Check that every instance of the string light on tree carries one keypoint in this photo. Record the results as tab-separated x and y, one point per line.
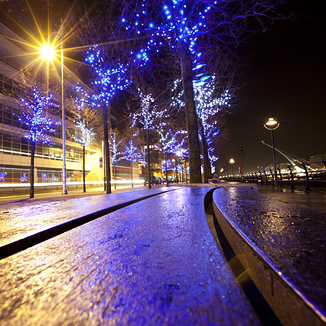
39	126
192	30
34	119
179	22
114	148
85	139
116	155
149	117
108	80
86	136
132	156
173	142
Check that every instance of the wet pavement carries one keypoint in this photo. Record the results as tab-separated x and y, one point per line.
151	263
292	237
312	200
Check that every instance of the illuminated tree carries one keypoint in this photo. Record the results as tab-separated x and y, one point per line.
142	157
116	155
85	139
108	78
87	118
209	103
172	143
148	118
193	31
132	156
39	126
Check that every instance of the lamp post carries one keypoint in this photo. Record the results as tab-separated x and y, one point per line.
163	164
241	152
48	53
64	170
232	161
178	153
271	125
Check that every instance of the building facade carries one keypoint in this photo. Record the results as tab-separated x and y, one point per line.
15	149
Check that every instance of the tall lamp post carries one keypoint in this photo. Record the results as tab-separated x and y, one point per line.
64	169
232	161
178	153
241	152
271	125
48	52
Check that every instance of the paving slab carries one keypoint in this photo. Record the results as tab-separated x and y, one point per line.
151	263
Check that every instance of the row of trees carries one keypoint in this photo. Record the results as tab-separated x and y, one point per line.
174	65
183	54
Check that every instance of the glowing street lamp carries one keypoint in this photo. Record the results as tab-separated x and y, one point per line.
48	52
271	125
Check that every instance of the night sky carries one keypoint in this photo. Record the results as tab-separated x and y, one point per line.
286	75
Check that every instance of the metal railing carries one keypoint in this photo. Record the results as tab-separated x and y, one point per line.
307	173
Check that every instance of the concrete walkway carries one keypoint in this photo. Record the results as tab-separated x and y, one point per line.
312	200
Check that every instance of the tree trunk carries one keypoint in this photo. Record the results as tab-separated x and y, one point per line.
191	116
207	165
166	170
31	189
106	150
148	162
84	174
115	174
131	175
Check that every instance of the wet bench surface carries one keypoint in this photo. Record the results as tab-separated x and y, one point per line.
152	263
292	237
21	222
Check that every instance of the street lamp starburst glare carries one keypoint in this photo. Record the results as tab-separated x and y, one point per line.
48	51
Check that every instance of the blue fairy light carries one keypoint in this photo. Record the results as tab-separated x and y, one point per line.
33	117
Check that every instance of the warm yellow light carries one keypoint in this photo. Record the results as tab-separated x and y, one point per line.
48	51
271	122
232	161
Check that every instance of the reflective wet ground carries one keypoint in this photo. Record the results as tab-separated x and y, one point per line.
19	222
151	263
313	200
292	237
